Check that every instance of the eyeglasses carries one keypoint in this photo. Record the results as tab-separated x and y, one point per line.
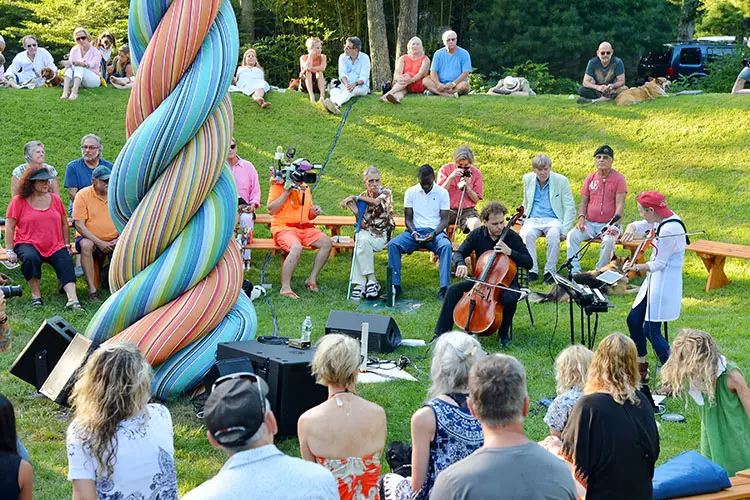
250	377
89	147
606	52
450	39
79	38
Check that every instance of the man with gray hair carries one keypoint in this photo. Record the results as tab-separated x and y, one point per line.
354	76
240	422
508	461
550	210
78	172
25	72
449	72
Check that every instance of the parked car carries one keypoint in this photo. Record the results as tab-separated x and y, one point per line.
682	58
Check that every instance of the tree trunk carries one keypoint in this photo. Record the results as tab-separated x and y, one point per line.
688	15
246	21
407	25
381	65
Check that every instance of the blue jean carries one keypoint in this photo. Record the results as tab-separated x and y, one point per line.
405	243
640	330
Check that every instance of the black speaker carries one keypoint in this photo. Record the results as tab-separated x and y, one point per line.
384	333
227	367
291	386
60	381
43	351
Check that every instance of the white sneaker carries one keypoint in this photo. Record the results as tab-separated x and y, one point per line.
357	292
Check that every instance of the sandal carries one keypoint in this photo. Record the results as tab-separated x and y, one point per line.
37	301
357	292
290	294
75	306
312	286
94	297
372	290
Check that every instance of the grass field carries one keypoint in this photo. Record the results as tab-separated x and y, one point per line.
694	149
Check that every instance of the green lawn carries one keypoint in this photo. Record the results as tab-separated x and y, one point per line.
694	149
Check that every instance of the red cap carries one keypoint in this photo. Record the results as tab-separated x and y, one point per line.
656	201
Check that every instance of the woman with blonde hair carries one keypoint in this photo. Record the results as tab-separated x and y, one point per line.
120	73
83	67
119	446
346	434
611	437
250	79
312	67
443	431
571	367
411	68
697	368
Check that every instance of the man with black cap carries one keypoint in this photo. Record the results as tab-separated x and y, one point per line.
239	421
96	235
602	200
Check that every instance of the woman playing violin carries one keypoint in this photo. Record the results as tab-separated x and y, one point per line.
480	240
660	295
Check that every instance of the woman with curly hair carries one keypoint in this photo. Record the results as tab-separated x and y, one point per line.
571	367
697	368
611	437
119	446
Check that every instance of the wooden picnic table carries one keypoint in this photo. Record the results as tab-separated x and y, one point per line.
740	489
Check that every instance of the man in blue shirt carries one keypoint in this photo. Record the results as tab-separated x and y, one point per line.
78	172
449	73
605	76
354	76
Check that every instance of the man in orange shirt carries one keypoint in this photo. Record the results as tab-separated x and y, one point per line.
291	209
96	235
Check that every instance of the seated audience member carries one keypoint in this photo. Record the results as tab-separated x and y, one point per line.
25	71
611	438
119	445
2	44
345	434
509	464
465	187
248	191
605	77
2	70
411	68
426	210
354	76
250	79
571	367
78	172
105	44
6	336
377	223
120	72
239	421
96	235
443	431
742	78
16	475
697	368
312	68
484	239
35	155
37	231
83	67
449	73
602	197
511	85
291	209
550	211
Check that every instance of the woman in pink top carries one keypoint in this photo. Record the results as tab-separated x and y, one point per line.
248	191
410	69
83	66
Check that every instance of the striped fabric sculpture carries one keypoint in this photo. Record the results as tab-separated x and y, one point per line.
176	273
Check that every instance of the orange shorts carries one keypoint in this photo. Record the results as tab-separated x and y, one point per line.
306	237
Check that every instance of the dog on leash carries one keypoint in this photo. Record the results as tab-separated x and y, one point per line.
558	294
50	78
654	88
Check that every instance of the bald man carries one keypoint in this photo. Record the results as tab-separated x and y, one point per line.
605	76
449	73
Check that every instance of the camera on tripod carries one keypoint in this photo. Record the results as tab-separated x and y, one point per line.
299	170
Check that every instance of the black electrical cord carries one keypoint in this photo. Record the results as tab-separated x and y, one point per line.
335	140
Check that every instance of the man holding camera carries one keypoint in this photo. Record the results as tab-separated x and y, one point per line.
465	187
291	209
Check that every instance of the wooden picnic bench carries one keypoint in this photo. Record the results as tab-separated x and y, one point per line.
714	255
740	489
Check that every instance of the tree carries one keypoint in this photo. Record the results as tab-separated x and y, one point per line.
688	16
381	64
407	25
246	19
723	18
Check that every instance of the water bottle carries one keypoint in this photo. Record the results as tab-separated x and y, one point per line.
279	153
306	329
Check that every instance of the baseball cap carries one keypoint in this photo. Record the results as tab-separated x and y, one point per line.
656	201
101	172
41	175
604	150
235	409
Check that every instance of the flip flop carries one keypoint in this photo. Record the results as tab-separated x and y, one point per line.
290	294
75	306
312	287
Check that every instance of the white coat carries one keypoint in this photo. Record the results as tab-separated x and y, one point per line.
663	285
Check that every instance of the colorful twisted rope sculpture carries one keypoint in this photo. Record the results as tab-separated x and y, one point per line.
176	273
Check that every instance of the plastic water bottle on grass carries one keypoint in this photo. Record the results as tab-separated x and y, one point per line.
306	329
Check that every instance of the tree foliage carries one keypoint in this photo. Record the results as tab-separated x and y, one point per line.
724	18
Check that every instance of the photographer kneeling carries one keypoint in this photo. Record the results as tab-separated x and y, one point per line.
743	77
465	187
291	209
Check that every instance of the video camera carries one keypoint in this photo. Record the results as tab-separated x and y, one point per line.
11	291
299	170
746	62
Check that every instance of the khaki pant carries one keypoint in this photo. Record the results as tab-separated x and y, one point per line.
364	259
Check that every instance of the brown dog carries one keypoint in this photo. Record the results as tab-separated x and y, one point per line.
558	294
655	87
50	78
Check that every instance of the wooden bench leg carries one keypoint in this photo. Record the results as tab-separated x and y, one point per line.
715	267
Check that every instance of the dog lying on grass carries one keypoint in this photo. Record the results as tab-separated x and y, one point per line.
558	294
50	78
655	87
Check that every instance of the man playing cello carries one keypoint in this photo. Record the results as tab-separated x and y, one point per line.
480	240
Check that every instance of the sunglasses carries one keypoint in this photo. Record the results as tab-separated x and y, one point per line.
79	38
30	45
250	377
606	52
233	146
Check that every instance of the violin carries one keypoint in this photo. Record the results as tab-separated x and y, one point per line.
646	243
479	310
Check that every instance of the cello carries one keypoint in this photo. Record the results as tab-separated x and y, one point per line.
479	310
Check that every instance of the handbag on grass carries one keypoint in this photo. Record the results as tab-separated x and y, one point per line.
688	474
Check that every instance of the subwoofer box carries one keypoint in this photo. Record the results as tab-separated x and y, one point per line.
44	350
384	333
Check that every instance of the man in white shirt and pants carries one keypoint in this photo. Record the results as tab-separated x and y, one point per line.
354	74
26	69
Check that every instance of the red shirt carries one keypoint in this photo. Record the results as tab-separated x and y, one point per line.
602	194
41	228
476	183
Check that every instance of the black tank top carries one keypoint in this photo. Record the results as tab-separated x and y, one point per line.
9	465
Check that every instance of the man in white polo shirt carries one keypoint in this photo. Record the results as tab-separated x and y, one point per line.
426	210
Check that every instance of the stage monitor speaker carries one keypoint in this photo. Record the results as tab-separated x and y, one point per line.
384	333
63	376
226	367
41	354
292	388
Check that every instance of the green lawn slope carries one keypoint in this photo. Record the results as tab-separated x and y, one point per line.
693	149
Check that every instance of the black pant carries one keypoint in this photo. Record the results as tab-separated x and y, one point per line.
508	299
32	260
589	93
